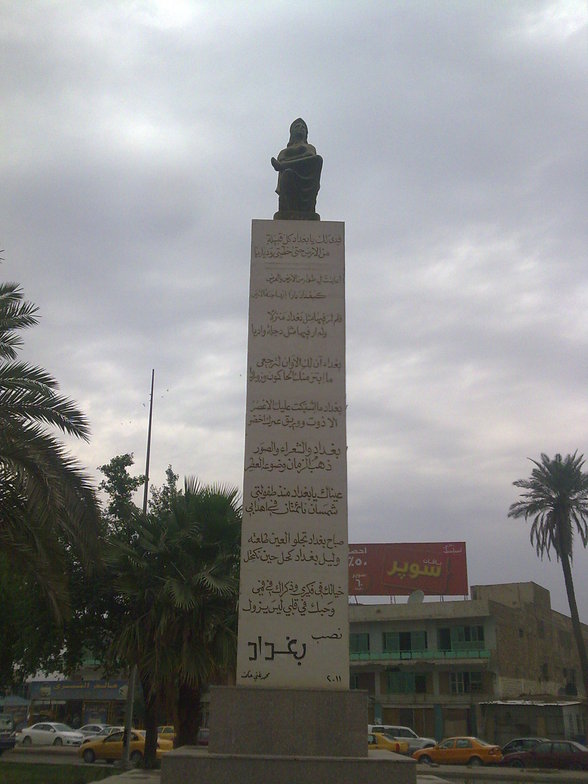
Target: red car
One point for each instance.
(562, 754)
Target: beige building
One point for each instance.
(500, 664)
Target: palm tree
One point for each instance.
(47, 504)
(180, 579)
(556, 500)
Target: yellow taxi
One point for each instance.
(166, 732)
(110, 748)
(463, 750)
(379, 740)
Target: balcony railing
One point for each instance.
(472, 653)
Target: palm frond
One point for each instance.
(555, 500)
(15, 314)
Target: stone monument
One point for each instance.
(291, 718)
(299, 174)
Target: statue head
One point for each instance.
(298, 131)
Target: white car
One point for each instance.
(104, 733)
(49, 733)
(89, 730)
(398, 732)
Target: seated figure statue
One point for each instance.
(299, 175)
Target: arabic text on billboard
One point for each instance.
(437, 569)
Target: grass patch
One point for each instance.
(33, 773)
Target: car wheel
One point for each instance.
(475, 762)
(426, 759)
(88, 755)
(58, 742)
(136, 757)
(516, 764)
(26, 741)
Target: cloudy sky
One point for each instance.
(136, 146)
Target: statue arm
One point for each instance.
(291, 155)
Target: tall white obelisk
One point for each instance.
(293, 627)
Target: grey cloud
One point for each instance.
(138, 147)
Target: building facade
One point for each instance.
(460, 667)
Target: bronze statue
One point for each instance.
(299, 175)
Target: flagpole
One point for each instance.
(133, 672)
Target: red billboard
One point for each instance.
(435, 568)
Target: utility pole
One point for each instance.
(133, 672)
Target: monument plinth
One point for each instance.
(291, 718)
(293, 624)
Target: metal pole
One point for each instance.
(133, 671)
(146, 491)
(129, 716)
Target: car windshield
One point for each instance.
(62, 728)
(482, 742)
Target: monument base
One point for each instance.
(286, 736)
(296, 216)
(288, 722)
(191, 765)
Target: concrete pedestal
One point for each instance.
(287, 722)
(190, 764)
(286, 736)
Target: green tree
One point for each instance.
(119, 487)
(180, 578)
(31, 639)
(47, 504)
(162, 498)
(556, 501)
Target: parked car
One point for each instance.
(521, 744)
(463, 750)
(562, 754)
(399, 732)
(166, 731)
(7, 732)
(49, 733)
(379, 740)
(90, 730)
(110, 747)
(108, 730)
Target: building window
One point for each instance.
(398, 642)
(545, 671)
(406, 683)
(354, 681)
(359, 643)
(466, 682)
(521, 632)
(461, 638)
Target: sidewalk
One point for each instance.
(453, 775)
(154, 777)
(136, 776)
